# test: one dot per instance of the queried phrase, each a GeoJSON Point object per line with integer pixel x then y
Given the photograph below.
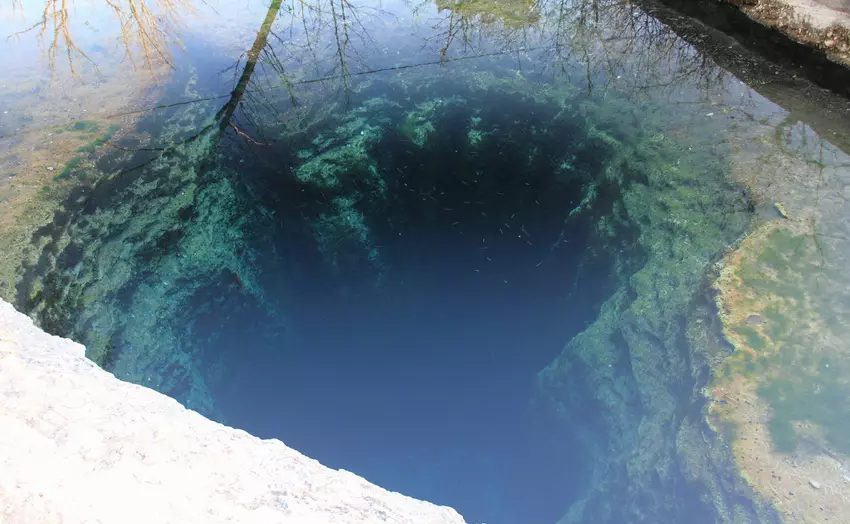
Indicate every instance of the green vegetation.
{"type": "Point", "coordinates": [69, 168]}
{"type": "Point", "coordinates": [795, 352]}
{"type": "Point", "coordinates": [818, 395]}
{"type": "Point", "coordinates": [80, 163]}
{"type": "Point", "coordinates": [85, 126]}
{"type": "Point", "coordinates": [777, 325]}
{"type": "Point", "coordinates": [752, 336]}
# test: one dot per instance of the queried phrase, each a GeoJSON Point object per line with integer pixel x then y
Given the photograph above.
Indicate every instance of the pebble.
{"type": "Point", "coordinates": [814, 483]}
{"type": "Point", "coordinates": [754, 320]}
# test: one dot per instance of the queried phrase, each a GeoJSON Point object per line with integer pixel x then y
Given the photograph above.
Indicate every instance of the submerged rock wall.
{"type": "Point", "coordinates": [629, 386]}
{"type": "Point", "coordinates": [79, 445]}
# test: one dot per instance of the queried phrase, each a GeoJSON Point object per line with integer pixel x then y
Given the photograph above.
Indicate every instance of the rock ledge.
{"type": "Point", "coordinates": [78, 445]}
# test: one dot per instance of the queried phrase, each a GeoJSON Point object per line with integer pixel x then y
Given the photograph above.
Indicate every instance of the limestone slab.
{"type": "Point", "coordinates": [78, 445]}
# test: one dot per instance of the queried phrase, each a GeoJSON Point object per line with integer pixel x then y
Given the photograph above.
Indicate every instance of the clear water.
{"type": "Point", "coordinates": [459, 249]}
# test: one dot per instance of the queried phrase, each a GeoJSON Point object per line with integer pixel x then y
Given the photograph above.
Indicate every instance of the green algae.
{"type": "Point", "coordinates": [754, 339]}
{"type": "Point", "coordinates": [85, 126]}
{"type": "Point", "coordinates": [70, 167]}
{"type": "Point", "coordinates": [800, 366]}
{"type": "Point", "coordinates": [632, 355]}
{"type": "Point", "coordinates": [778, 325]}
{"type": "Point", "coordinates": [816, 394]}
{"type": "Point", "coordinates": [632, 358]}
{"type": "Point", "coordinates": [82, 162]}
{"type": "Point", "coordinates": [120, 280]}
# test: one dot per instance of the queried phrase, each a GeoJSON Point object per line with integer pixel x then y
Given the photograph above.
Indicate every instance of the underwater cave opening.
{"type": "Point", "coordinates": [411, 360]}
{"type": "Point", "coordinates": [378, 290]}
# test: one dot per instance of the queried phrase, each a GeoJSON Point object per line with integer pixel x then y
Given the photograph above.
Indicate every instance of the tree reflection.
{"type": "Point", "coordinates": [600, 40]}
{"type": "Point", "coordinates": [637, 46]}
{"type": "Point", "coordinates": [146, 31]}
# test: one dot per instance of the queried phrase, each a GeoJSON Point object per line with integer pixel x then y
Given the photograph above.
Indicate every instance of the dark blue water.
{"type": "Point", "coordinates": [425, 392]}
{"type": "Point", "coordinates": [417, 373]}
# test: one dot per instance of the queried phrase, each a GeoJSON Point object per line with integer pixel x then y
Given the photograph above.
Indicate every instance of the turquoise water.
{"type": "Point", "coordinates": [461, 253]}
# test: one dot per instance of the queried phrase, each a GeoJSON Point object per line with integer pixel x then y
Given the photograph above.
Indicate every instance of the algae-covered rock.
{"type": "Point", "coordinates": [785, 387]}
{"type": "Point", "coordinates": [633, 375]}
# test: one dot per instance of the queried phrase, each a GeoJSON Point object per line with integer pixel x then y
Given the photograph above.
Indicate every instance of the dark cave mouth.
{"type": "Point", "coordinates": [496, 197]}
{"type": "Point", "coordinates": [467, 222]}
{"type": "Point", "coordinates": [471, 272]}
{"type": "Point", "coordinates": [484, 207]}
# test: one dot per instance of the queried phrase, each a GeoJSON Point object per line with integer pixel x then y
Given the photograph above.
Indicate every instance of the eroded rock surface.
{"type": "Point", "coordinates": [79, 445]}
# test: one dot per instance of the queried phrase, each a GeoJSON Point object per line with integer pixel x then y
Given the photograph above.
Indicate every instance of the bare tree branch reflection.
{"type": "Point", "coordinates": [150, 31]}
{"type": "Point", "coordinates": [599, 40]}
{"type": "Point", "coordinates": [146, 31]}
{"type": "Point", "coordinates": [54, 22]}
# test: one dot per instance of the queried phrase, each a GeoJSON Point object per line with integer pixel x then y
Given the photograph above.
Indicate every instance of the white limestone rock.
{"type": "Point", "coordinates": [78, 445]}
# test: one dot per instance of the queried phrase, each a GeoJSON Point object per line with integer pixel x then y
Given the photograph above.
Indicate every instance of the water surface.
{"type": "Point", "coordinates": [460, 249]}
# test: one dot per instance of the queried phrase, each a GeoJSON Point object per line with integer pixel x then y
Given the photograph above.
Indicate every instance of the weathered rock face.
{"type": "Point", "coordinates": [79, 445]}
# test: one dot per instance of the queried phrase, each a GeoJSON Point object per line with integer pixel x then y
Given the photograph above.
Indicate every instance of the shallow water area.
{"type": "Point", "coordinates": [462, 250]}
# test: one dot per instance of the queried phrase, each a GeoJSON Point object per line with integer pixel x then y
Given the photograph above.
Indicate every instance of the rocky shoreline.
{"type": "Point", "coordinates": [821, 24]}
{"type": "Point", "coordinates": [808, 38]}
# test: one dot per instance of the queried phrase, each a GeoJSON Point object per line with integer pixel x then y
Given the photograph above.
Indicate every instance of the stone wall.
{"type": "Point", "coordinates": [78, 445]}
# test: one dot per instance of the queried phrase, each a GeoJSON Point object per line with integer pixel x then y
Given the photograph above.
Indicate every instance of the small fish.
{"type": "Point", "coordinates": [781, 210]}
